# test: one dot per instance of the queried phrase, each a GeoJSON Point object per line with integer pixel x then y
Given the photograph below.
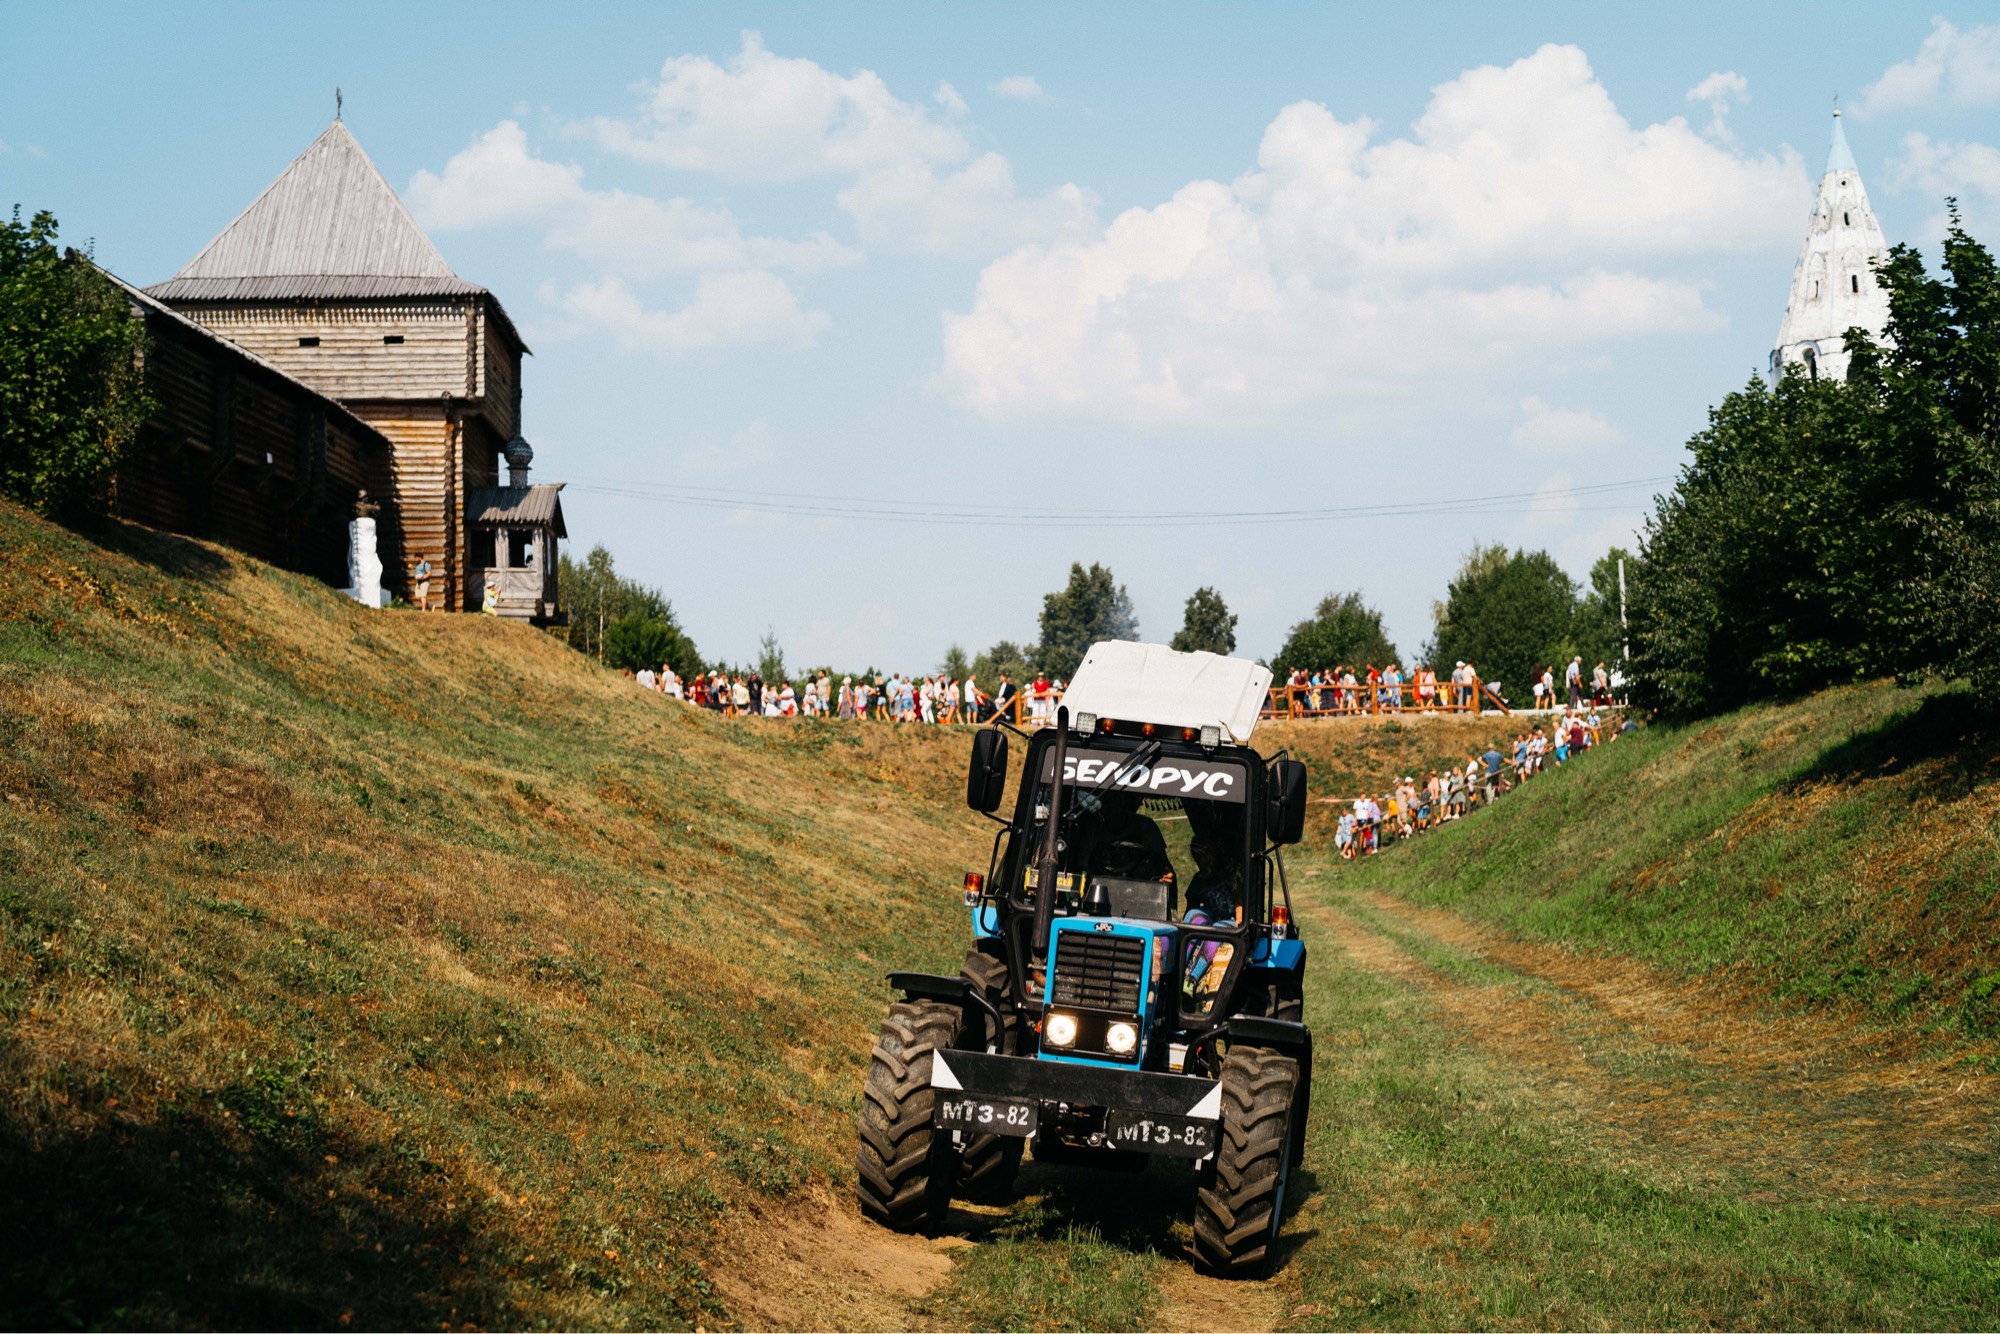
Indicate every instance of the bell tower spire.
{"type": "Point", "coordinates": [1834, 287]}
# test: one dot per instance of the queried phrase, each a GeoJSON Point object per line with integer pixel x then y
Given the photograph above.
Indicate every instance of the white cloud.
{"type": "Point", "coordinates": [1719, 92]}
{"type": "Point", "coordinates": [1020, 87]}
{"type": "Point", "coordinates": [911, 181]}
{"type": "Point", "coordinates": [1954, 66]}
{"type": "Point", "coordinates": [498, 180]}
{"type": "Point", "coordinates": [1517, 222]}
{"type": "Point", "coordinates": [1547, 430]}
{"type": "Point", "coordinates": [1967, 171]}
{"type": "Point", "coordinates": [747, 449]}
{"type": "Point", "coordinates": [728, 310]}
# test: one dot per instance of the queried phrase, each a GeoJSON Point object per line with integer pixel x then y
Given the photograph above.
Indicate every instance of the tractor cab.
{"type": "Point", "coordinates": [1133, 949]}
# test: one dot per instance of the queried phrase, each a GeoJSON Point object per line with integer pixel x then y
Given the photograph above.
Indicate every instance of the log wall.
{"type": "Point", "coordinates": [245, 457]}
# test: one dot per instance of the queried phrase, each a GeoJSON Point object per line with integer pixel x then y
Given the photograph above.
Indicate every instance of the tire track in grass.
{"type": "Point", "coordinates": [1490, 1153]}
{"type": "Point", "coordinates": [1803, 1104]}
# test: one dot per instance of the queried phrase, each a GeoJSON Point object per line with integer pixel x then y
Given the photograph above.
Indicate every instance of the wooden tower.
{"type": "Point", "coordinates": [328, 277]}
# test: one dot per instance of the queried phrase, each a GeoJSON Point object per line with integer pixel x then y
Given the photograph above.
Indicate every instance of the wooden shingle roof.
{"type": "Point", "coordinates": [534, 506]}
{"type": "Point", "coordinates": [328, 227]}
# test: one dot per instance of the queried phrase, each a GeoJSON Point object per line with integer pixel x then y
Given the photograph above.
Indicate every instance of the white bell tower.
{"type": "Point", "coordinates": [1834, 287]}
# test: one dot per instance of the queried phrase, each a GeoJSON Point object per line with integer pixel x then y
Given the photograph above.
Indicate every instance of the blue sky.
{"type": "Point", "coordinates": [1083, 261]}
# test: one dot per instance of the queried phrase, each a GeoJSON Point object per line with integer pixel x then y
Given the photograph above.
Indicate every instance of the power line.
{"type": "Point", "coordinates": [994, 514]}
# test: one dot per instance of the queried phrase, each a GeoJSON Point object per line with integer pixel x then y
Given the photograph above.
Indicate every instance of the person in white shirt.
{"type": "Point", "coordinates": [645, 678]}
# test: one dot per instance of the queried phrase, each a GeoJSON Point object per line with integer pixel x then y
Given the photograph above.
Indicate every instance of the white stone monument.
{"type": "Point", "coordinates": [364, 565]}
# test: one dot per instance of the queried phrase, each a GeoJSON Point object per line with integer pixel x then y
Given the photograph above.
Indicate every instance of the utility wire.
{"type": "Point", "coordinates": [985, 514]}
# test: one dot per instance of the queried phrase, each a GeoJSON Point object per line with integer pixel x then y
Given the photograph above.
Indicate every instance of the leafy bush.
{"type": "Point", "coordinates": [72, 395]}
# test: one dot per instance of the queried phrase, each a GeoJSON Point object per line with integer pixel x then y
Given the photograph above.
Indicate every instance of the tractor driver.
{"type": "Point", "coordinates": [1216, 890]}
{"type": "Point", "coordinates": [1124, 843]}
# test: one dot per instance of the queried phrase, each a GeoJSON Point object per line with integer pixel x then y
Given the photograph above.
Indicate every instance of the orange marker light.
{"type": "Point", "coordinates": [1146, 730]}
{"type": "Point", "coordinates": [1281, 916]}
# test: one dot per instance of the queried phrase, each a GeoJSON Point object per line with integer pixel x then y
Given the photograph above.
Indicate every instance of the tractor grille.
{"type": "Point", "coordinates": [1100, 972]}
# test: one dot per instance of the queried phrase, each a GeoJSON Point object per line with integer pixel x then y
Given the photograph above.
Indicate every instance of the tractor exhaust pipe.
{"type": "Point", "coordinates": [1045, 889]}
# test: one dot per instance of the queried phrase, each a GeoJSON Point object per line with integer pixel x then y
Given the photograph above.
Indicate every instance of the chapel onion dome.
{"type": "Point", "coordinates": [519, 454]}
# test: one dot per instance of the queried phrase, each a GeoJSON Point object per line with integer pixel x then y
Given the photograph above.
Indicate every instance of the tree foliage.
{"type": "Point", "coordinates": [619, 621]}
{"type": "Point", "coordinates": [1508, 615]}
{"type": "Point", "coordinates": [1005, 656]}
{"type": "Point", "coordinates": [1342, 631]}
{"type": "Point", "coordinates": [954, 665]}
{"type": "Point", "coordinates": [1207, 625]}
{"type": "Point", "coordinates": [72, 392]}
{"type": "Point", "coordinates": [1093, 606]}
{"type": "Point", "coordinates": [1826, 532]}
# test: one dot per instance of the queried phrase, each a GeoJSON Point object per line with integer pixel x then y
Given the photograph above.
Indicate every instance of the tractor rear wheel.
{"type": "Point", "coordinates": [904, 1167]}
{"type": "Point", "coordinates": [1240, 1202]}
{"type": "Point", "coordinates": [987, 1164]}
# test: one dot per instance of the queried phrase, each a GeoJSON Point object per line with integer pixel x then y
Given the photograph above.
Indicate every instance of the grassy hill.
{"type": "Point", "coordinates": [419, 967]}
{"type": "Point", "coordinates": [386, 969]}
{"type": "Point", "coordinates": [1839, 851]}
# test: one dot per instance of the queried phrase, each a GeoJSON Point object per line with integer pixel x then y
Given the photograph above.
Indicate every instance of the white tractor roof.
{"type": "Point", "coordinates": [1151, 683]}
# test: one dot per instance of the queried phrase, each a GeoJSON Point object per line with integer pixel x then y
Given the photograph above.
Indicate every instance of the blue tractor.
{"type": "Point", "coordinates": [1135, 983]}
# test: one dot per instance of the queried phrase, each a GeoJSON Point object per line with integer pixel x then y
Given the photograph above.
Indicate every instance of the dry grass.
{"type": "Point", "coordinates": [423, 970]}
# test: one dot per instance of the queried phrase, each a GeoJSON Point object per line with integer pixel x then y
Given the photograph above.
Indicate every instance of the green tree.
{"type": "Point", "coordinates": [1005, 656]}
{"type": "Point", "coordinates": [1342, 631]}
{"type": "Point", "coordinates": [1207, 625]}
{"type": "Point", "coordinates": [954, 665]}
{"type": "Point", "coordinates": [1093, 606]}
{"type": "Point", "coordinates": [596, 596]}
{"type": "Point", "coordinates": [632, 642]}
{"type": "Point", "coordinates": [1507, 615]}
{"type": "Point", "coordinates": [1825, 531]}
{"type": "Point", "coordinates": [72, 391]}
{"type": "Point", "coordinates": [770, 658]}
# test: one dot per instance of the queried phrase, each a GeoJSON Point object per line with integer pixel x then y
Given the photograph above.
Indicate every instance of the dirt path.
{"type": "Point", "coordinates": [1696, 1075]}
{"type": "Point", "coordinates": [820, 1265]}
{"type": "Point", "coordinates": [1687, 1081]}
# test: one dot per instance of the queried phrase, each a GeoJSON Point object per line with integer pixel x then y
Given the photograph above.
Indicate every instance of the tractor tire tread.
{"type": "Point", "coordinates": [1237, 1208]}
{"type": "Point", "coordinates": [901, 1180]}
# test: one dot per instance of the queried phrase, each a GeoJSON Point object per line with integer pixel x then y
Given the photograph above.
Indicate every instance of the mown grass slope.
{"type": "Point", "coordinates": [403, 969]}
{"type": "Point", "coordinates": [1838, 850]}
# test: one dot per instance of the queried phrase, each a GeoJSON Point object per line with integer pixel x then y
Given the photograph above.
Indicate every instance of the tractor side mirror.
{"type": "Point", "coordinates": [986, 779]}
{"type": "Point", "coordinates": [1288, 802]}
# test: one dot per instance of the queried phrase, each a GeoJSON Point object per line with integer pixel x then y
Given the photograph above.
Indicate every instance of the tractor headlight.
{"type": "Point", "coordinates": [1120, 1039]}
{"type": "Point", "coordinates": [1059, 1031]}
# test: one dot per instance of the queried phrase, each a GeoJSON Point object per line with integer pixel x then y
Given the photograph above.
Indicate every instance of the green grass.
{"type": "Point", "coordinates": [1839, 850]}
{"type": "Point", "coordinates": [408, 969]}
{"type": "Point", "coordinates": [1447, 1193]}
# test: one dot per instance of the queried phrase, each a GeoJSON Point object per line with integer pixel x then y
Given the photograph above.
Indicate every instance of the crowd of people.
{"type": "Point", "coordinates": [1343, 689]}
{"type": "Point", "coordinates": [1450, 792]}
{"type": "Point", "coordinates": [894, 697]}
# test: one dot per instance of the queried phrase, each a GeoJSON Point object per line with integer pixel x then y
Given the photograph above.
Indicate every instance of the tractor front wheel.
{"type": "Point", "coordinates": [904, 1167]}
{"type": "Point", "coordinates": [1240, 1202]}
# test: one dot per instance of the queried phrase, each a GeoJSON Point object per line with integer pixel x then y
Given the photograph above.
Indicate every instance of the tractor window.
{"type": "Point", "coordinates": [1178, 823]}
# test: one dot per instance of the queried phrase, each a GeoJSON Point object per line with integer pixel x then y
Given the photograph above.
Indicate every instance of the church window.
{"type": "Point", "coordinates": [1846, 220]}
{"type": "Point", "coordinates": [1812, 363]}
{"type": "Point", "coordinates": [391, 339]}
{"type": "Point", "coordinates": [309, 342]}
{"type": "Point", "coordinates": [1855, 278]}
